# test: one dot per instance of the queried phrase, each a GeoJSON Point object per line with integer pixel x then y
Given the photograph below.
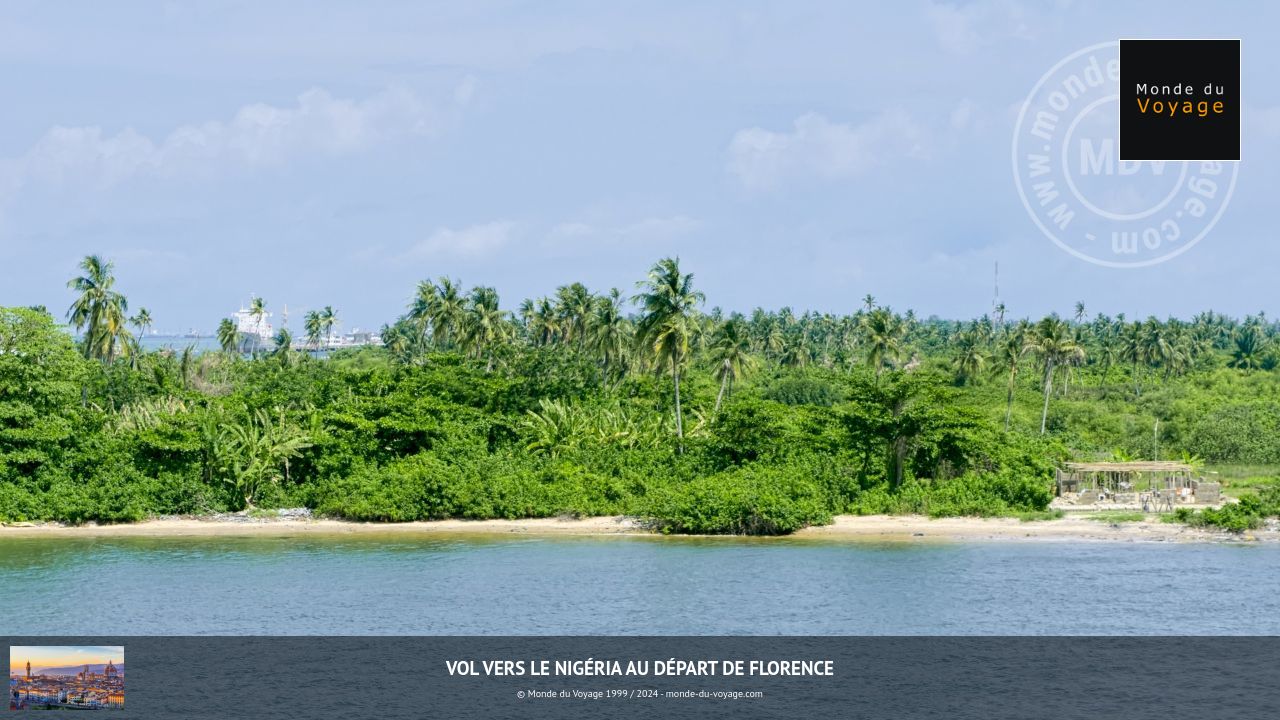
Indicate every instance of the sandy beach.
{"type": "Point", "coordinates": [872, 528]}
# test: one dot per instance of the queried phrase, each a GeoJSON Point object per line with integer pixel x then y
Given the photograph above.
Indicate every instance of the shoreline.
{"type": "Point", "coordinates": [850, 528]}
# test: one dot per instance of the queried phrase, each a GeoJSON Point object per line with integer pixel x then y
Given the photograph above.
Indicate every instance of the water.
{"type": "Point", "coordinates": [628, 585]}
{"type": "Point", "coordinates": [178, 344]}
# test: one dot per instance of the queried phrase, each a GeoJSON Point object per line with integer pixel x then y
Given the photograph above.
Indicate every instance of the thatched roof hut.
{"type": "Point", "coordinates": [1124, 476]}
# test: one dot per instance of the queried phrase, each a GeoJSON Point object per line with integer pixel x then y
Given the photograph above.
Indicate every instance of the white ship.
{"type": "Point", "coordinates": [254, 328]}
{"type": "Point", "coordinates": [257, 332]}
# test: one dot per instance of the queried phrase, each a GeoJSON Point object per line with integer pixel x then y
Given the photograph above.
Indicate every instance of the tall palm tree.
{"type": "Point", "coordinates": [99, 310]}
{"type": "Point", "coordinates": [1107, 349]}
{"type": "Point", "coordinates": [731, 355]}
{"type": "Point", "coordinates": [774, 342]}
{"type": "Point", "coordinates": [608, 331]}
{"type": "Point", "coordinates": [970, 358]}
{"type": "Point", "coordinates": [1134, 349]}
{"type": "Point", "coordinates": [883, 334]}
{"type": "Point", "coordinates": [1011, 350]}
{"type": "Point", "coordinates": [448, 313]}
{"type": "Point", "coordinates": [328, 319]}
{"type": "Point", "coordinates": [422, 309]}
{"type": "Point", "coordinates": [485, 324]}
{"type": "Point", "coordinates": [668, 304]}
{"type": "Point", "coordinates": [258, 310]}
{"type": "Point", "coordinates": [313, 325]}
{"type": "Point", "coordinates": [142, 321]}
{"type": "Point", "coordinates": [574, 304]}
{"type": "Point", "coordinates": [1052, 341]}
{"type": "Point", "coordinates": [542, 324]}
{"type": "Point", "coordinates": [228, 336]}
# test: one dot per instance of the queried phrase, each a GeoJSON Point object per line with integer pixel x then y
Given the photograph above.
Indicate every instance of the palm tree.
{"type": "Point", "coordinates": [328, 318]}
{"type": "Point", "coordinates": [1134, 349]}
{"type": "Point", "coordinates": [1108, 351]}
{"type": "Point", "coordinates": [794, 353]}
{"type": "Point", "coordinates": [668, 304]}
{"type": "Point", "coordinates": [421, 309]}
{"type": "Point", "coordinates": [485, 324]}
{"type": "Point", "coordinates": [883, 333]}
{"type": "Point", "coordinates": [1080, 311]}
{"type": "Point", "coordinates": [970, 360]}
{"type": "Point", "coordinates": [313, 325]}
{"type": "Point", "coordinates": [1251, 347]}
{"type": "Point", "coordinates": [730, 353]}
{"type": "Point", "coordinates": [396, 340]}
{"type": "Point", "coordinates": [258, 311]}
{"type": "Point", "coordinates": [608, 330]}
{"type": "Point", "coordinates": [448, 313]}
{"type": "Point", "coordinates": [185, 363]}
{"type": "Point", "coordinates": [142, 321]}
{"type": "Point", "coordinates": [1052, 341]}
{"type": "Point", "coordinates": [99, 310]}
{"type": "Point", "coordinates": [1011, 350]}
{"type": "Point", "coordinates": [283, 350]}
{"type": "Point", "coordinates": [228, 336]}
{"type": "Point", "coordinates": [574, 304]}
{"type": "Point", "coordinates": [541, 322]}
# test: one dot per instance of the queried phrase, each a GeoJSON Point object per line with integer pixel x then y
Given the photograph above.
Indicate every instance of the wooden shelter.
{"type": "Point", "coordinates": [1165, 482]}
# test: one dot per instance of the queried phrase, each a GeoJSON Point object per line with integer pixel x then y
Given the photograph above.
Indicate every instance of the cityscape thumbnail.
{"type": "Point", "coordinates": [58, 677]}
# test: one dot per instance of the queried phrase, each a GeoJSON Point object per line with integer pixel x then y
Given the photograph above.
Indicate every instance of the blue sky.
{"type": "Point", "coordinates": [800, 154]}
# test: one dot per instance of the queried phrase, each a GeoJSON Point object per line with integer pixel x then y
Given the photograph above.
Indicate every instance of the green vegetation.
{"type": "Point", "coordinates": [1117, 516]}
{"type": "Point", "coordinates": [588, 403]}
{"type": "Point", "coordinates": [1250, 513]}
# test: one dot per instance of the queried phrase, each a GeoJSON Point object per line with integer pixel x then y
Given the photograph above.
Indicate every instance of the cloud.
{"type": "Point", "coordinates": [963, 28]}
{"type": "Point", "coordinates": [645, 230]}
{"type": "Point", "coordinates": [257, 135]}
{"type": "Point", "coordinates": [1263, 121]}
{"type": "Point", "coordinates": [476, 241]}
{"type": "Point", "coordinates": [816, 147]}
{"type": "Point", "coordinates": [954, 28]}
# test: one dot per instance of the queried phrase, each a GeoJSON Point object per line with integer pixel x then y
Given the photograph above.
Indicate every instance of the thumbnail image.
{"type": "Point", "coordinates": [57, 677]}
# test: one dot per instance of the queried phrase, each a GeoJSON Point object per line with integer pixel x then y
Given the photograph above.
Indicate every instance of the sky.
{"type": "Point", "coordinates": [791, 154]}
{"type": "Point", "coordinates": [52, 656]}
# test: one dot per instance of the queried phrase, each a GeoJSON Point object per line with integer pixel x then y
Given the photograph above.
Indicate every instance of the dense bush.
{"type": "Point", "coordinates": [742, 501]}
{"type": "Point", "coordinates": [1248, 514]}
{"type": "Point", "coordinates": [804, 390]}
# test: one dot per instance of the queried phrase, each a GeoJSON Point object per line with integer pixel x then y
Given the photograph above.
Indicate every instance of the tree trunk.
{"type": "Point", "coordinates": [897, 448]}
{"type": "Point", "coordinates": [899, 460]}
{"type": "Point", "coordinates": [675, 374]}
{"type": "Point", "coordinates": [1048, 390]}
{"type": "Point", "coordinates": [724, 382]}
{"type": "Point", "coordinates": [1008, 412]}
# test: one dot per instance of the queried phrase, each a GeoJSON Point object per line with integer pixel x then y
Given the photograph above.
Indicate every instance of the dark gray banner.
{"type": "Point", "coordinates": [693, 677]}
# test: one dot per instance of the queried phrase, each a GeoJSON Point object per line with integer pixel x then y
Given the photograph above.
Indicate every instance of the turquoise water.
{"type": "Point", "coordinates": [178, 344]}
{"type": "Point", "coordinates": [393, 585]}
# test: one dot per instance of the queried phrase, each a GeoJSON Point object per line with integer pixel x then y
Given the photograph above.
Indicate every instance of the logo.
{"type": "Point", "coordinates": [1180, 100]}
{"type": "Point", "coordinates": [1082, 196]}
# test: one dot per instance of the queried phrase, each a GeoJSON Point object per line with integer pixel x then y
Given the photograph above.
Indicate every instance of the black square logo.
{"type": "Point", "coordinates": [1179, 99]}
